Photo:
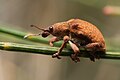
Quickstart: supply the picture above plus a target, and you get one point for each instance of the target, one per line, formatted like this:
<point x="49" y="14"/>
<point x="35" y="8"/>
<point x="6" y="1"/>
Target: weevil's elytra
<point x="78" y="33"/>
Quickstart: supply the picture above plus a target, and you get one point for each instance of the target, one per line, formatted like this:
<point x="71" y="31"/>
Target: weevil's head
<point x="59" y="29"/>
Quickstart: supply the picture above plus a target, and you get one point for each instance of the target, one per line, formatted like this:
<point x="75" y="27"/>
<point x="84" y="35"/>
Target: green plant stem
<point x="50" y="50"/>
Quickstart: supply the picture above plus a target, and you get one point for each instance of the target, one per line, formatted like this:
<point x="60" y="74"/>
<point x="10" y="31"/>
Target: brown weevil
<point x="78" y="33"/>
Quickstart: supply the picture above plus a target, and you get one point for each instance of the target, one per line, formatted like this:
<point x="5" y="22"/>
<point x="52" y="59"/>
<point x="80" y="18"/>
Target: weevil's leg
<point x="28" y="35"/>
<point x="94" y="47"/>
<point x="76" y="50"/>
<point x="65" y="39"/>
<point x="52" y="40"/>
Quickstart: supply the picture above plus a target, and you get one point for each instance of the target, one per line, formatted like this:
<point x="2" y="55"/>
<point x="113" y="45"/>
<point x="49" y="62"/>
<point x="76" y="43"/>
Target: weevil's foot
<point x="92" y="58"/>
<point x="56" y="55"/>
<point x="28" y="35"/>
<point x="97" y="56"/>
<point x="75" y="58"/>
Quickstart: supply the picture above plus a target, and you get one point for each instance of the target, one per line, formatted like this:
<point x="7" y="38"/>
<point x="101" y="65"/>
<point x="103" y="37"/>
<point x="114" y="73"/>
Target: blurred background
<point x="19" y="14"/>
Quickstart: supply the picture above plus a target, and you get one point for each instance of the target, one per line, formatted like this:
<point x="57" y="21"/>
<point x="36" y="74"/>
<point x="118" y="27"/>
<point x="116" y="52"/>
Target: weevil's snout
<point x="45" y="34"/>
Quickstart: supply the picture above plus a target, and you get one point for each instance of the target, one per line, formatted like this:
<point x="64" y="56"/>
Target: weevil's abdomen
<point x="85" y="32"/>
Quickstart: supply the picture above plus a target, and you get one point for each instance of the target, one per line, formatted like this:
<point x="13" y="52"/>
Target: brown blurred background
<point x="19" y="14"/>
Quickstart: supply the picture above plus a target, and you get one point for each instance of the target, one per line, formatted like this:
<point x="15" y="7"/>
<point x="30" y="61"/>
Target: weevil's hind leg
<point x="52" y="40"/>
<point x="93" y="53"/>
<point x="65" y="39"/>
<point x="76" y="50"/>
<point x="28" y="35"/>
<point x="92" y="56"/>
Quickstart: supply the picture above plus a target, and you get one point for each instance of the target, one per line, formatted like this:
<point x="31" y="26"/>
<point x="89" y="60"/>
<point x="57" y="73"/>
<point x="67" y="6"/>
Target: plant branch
<point x="50" y="50"/>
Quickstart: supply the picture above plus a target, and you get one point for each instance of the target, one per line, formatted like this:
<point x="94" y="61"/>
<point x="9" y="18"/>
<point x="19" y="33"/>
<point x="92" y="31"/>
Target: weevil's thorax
<point x="60" y="30"/>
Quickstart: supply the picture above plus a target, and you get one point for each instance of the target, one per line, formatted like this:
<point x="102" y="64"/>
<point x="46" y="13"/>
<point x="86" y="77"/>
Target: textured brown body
<point x="86" y="32"/>
<point x="78" y="33"/>
<point x="82" y="34"/>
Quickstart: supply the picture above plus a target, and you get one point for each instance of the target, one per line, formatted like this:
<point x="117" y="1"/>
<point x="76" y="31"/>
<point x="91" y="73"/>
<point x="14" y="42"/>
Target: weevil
<point x="78" y="33"/>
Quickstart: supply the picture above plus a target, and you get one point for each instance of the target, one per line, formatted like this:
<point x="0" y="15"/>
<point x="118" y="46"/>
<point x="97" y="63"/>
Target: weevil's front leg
<point x="94" y="47"/>
<point x="76" y="50"/>
<point x="52" y="40"/>
<point x="65" y="39"/>
<point x="28" y="35"/>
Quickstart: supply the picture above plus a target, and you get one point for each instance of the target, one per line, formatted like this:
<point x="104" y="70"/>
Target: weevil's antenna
<point x="38" y="27"/>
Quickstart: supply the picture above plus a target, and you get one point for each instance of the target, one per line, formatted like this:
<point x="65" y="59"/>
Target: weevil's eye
<point x="51" y="29"/>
